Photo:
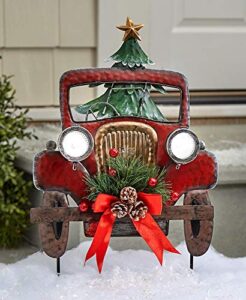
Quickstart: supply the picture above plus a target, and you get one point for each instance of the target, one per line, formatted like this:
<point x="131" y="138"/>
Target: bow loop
<point x="151" y="204"/>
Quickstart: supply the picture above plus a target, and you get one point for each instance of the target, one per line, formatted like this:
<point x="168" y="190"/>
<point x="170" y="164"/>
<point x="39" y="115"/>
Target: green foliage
<point x="13" y="187"/>
<point x="131" y="54"/>
<point x="130" y="171"/>
<point x="126" y="99"/>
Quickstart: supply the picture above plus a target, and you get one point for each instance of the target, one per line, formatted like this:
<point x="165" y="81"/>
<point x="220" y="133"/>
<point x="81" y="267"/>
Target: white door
<point x="205" y="40"/>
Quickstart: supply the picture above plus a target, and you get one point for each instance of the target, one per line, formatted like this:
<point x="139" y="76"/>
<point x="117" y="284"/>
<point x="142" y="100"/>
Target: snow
<point x="44" y="133"/>
<point x="129" y="274"/>
<point x="232" y="156"/>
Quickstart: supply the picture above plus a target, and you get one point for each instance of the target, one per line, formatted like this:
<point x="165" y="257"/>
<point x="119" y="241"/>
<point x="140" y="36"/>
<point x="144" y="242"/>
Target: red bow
<point x="147" y="227"/>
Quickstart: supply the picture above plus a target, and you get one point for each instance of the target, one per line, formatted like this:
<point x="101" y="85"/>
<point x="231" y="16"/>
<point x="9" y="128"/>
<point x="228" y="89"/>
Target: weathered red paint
<point x="54" y="172"/>
<point x="200" y="174"/>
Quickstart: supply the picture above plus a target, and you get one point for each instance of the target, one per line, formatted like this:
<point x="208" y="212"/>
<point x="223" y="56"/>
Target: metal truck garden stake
<point x="125" y="164"/>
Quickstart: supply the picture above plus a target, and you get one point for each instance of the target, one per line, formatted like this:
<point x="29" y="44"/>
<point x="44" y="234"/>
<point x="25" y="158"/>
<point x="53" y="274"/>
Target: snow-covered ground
<point x="234" y="156"/>
<point x="129" y="274"/>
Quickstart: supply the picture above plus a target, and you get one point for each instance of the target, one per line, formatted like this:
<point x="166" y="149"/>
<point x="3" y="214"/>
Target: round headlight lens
<point x="75" y="143"/>
<point x="182" y="146"/>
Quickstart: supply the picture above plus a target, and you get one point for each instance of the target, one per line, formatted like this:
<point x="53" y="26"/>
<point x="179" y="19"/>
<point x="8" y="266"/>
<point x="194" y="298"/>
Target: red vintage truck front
<point x="83" y="149"/>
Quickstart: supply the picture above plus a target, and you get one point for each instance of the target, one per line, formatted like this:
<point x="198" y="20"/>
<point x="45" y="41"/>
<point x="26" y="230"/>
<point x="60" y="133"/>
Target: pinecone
<point x="138" y="211"/>
<point x="119" y="209"/>
<point x="128" y="195"/>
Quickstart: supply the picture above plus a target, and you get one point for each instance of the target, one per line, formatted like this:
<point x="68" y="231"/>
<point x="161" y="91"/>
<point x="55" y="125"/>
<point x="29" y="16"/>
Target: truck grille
<point x="129" y="138"/>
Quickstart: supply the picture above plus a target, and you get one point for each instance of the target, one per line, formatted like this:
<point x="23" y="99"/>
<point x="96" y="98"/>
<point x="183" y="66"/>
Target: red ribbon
<point x="147" y="227"/>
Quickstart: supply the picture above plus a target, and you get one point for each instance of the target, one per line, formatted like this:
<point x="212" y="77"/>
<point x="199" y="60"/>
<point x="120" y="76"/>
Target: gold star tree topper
<point x="131" y="29"/>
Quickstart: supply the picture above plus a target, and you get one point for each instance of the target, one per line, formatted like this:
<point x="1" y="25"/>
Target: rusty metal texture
<point x="53" y="245"/>
<point x="122" y="229"/>
<point x="198" y="233"/>
<point x="63" y="214"/>
<point x="130" y="138"/>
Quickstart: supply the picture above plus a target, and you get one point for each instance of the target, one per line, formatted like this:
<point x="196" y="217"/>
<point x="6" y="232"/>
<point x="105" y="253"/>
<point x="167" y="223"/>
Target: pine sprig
<point x="132" y="172"/>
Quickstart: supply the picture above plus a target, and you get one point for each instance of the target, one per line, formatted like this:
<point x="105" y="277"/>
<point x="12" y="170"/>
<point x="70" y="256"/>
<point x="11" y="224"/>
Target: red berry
<point x="175" y="196"/>
<point x="112" y="172"/>
<point x="152" y="182"/>
<point x="113" y="152"/>
<point x="84" y="205"/>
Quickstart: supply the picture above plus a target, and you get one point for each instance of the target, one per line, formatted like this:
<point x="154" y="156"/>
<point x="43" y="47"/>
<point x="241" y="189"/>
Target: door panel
<point x="205" y="40"/>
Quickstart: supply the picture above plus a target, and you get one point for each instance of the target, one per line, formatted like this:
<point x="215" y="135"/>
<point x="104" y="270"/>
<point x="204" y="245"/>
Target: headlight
<point x="75" y="143"/>
<point x="182" y="146"/>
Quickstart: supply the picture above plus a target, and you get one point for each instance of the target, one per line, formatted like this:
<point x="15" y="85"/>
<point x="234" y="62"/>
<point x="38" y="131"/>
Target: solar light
<point x="182" y="146"/>
<point x="75" y="143"/>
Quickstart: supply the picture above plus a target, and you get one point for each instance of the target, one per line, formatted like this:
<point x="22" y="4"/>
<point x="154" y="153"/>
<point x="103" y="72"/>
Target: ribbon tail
<point x="103" y="249"/>
<point x="154" y="237"/>
<point x="101" y="239"/>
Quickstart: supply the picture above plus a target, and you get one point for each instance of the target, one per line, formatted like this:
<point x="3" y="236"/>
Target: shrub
<point x="14" y="188"/>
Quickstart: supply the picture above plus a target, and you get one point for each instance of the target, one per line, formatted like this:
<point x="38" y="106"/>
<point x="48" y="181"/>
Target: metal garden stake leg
<point x="58" y="266"/>
<point x="191" y="261"/>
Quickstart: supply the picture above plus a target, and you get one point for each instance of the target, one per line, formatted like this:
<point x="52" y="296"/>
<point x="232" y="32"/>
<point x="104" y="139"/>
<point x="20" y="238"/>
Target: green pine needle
<point x="131" y="54"/>
<point x="129" y="172"/>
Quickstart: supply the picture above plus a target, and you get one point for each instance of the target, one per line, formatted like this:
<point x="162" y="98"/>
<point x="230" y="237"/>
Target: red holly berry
<point x="175" y="196"/>
<point x="152" y="182"/>
<point x="112" y="172"/>
<point x="84" y="205"/>
<point x="113" y="152"/>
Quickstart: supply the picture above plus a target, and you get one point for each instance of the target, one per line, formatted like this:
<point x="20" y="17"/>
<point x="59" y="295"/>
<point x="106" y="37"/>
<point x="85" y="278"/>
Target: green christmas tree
<point x="126" y="99"/>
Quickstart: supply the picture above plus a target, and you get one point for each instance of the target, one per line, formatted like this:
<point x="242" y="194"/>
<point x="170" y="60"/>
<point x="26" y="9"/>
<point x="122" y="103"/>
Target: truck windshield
<point x="149" y="101"/>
